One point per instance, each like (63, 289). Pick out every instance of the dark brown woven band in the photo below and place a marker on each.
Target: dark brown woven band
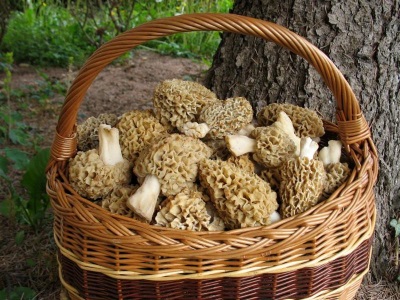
(298, 284)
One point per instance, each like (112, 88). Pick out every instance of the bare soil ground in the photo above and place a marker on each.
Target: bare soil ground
(119, 88)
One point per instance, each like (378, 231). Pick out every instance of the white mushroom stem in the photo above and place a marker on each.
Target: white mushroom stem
(194, 129)
(240, 144)
(308, 148)
(332, 153)
(275, 217)
(284, 123)
(316, 139)
(109, 147)
(246, 130)
(144, 200)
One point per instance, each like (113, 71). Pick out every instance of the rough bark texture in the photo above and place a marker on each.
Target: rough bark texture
(362, 38)
(5, 11)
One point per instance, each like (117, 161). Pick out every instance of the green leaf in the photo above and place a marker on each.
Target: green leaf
(5, 209)
(4, 167)
(18, 136)
(3, 131)
(30, 262)
(17, 117)
(19, 237)
(18, 293)
(34, 180)
(19, 158)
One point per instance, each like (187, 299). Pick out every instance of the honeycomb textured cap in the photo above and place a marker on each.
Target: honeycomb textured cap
(242, 199)
(91, 178)
(88, 131)
(219, 149)
(174, 160)
(272, 176)
(243, 161)
(306, 122)
(188, 211)
(273, 146)
(177, 102)
(301, 186)
(336, 175)
(226, 117)
(137, 130)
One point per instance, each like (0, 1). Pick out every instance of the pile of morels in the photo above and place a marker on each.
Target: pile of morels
(199, 163)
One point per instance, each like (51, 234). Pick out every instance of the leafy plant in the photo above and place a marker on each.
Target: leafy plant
(45, 35)
(19, 237)
(103, 20)
(45, 89)
(197, 45)
(33, 209)
(17, 293)
(11, 126)
(48, 33)
(34, 181)
(5, 11)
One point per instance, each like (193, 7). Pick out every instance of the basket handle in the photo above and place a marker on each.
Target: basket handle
(352, 125)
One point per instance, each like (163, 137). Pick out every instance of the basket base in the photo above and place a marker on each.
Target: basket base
(339, 279)
(346, 292)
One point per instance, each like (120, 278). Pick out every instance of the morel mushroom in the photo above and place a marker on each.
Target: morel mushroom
(194, 129)
(243, 161)
(188, 211)
(87, 133)
(178, 102)
(271, 145)
(272, 176)
(305, 121)
(226, 117)
(138, 128)
(302, 180)
(242, 199)
(285, 124)
(95, 173)
(246, 130)
(219, 149)
(115, 202)
(336, 172)
(168, 166)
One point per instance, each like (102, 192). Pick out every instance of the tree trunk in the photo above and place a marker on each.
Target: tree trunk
(362, 39)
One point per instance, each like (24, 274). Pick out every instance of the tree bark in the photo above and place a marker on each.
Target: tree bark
(362, 39)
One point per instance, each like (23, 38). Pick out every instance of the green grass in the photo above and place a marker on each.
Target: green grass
(49, 34)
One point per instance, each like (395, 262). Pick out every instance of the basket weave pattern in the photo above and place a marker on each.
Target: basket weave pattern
(287, 285)
(323, 252)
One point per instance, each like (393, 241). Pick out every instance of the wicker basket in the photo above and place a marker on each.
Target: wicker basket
(320, 254)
